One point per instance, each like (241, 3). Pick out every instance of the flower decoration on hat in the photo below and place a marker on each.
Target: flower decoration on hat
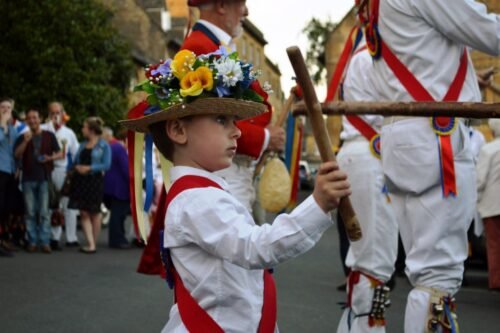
(187, 77)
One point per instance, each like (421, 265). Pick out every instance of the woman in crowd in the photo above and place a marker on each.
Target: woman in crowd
(92, 160)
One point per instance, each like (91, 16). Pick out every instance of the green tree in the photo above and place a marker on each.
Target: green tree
(64, 50)
(317, 33)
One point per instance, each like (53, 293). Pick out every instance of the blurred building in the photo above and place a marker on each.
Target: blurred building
(144, 24)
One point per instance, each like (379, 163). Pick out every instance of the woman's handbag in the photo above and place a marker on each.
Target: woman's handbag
(66, 188)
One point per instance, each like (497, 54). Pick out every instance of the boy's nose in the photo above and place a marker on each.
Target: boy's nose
(236, 132)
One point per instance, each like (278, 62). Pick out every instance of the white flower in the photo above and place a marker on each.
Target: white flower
(230, 71)
(268, 88)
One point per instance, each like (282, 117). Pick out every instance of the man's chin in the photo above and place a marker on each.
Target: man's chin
(238, 32)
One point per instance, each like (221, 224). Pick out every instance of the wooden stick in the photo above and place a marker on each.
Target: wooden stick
(410, 109)
(285, 110)
(495, 88)
(321, 136)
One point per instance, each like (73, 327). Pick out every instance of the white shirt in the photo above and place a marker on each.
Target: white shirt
(221, 35)
(429, 36)
(359, 86)
(67, 142)
(477, 141)
(488, 179)
(220, 253)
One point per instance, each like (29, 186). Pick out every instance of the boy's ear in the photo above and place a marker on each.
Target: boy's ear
(176, 131)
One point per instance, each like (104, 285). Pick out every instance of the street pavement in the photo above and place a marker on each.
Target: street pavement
(73, 292)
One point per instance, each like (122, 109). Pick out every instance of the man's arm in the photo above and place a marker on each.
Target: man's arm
(21, 144)
(463, 21)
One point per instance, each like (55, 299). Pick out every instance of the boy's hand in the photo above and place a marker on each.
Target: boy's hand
(331, 185)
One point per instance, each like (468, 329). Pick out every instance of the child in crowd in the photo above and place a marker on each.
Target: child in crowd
(214, 253)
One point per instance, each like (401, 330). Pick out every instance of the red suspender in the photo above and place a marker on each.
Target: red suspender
(342, 64)
(194, 317)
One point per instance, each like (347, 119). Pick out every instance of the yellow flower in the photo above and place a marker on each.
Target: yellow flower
(183, 63)
(191, 85)
(206, 77)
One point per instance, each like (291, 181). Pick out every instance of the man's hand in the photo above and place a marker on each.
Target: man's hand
(485, 77)
(276, 138)
(27, 136)
(331, 185)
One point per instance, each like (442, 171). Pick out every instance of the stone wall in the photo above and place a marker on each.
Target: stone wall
(145, 36)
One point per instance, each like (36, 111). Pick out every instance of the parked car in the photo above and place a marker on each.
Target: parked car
(306, 176)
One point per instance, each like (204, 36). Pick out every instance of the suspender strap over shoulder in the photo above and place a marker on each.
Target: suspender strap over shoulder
(193, 316)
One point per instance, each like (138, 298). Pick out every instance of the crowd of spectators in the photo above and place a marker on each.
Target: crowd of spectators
(49, 181)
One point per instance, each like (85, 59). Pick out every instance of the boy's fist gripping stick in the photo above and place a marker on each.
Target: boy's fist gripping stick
(323, 141)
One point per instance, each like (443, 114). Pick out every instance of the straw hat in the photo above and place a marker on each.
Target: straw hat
(202, 106)
(188, 85)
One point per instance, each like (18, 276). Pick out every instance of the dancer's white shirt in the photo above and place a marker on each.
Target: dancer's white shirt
(220, 253)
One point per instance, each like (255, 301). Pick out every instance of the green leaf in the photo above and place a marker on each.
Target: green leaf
(251, 95)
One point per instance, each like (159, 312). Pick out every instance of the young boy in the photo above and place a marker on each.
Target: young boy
(218, 257)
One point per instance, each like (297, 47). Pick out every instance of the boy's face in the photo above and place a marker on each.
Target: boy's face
(210, 142)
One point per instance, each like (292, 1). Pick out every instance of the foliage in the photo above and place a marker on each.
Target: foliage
(65, 50)
(317, 33)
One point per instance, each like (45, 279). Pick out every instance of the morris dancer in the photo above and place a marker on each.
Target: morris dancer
(220, 22)
(215, 255)
(420, 52)
(372, 258)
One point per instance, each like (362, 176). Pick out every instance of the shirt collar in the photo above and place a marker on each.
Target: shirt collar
(221, 35)
(181, 171)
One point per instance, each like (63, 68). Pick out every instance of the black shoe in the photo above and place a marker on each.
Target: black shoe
(72, 244)
(138, 243)
(54, 245)
(342, 287)
(87, 250)
(5, 253)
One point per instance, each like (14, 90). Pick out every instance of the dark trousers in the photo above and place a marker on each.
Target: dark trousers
(7, 194)
(119, 211)
(343, 243)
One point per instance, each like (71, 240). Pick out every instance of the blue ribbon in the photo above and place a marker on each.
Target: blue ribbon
(449, 316)
(149, 172)
(152, 109)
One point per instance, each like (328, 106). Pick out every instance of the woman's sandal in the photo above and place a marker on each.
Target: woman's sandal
(87, 250)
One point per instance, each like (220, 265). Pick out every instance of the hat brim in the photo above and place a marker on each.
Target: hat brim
(202, 106)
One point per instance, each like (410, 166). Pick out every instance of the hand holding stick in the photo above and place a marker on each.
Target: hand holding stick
(321, 136)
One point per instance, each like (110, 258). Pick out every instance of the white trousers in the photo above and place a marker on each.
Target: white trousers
(433, 228)
(375, 253)
(239, 178)
(58, 175)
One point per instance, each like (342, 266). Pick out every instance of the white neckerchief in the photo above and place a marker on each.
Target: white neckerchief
(221, 35)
